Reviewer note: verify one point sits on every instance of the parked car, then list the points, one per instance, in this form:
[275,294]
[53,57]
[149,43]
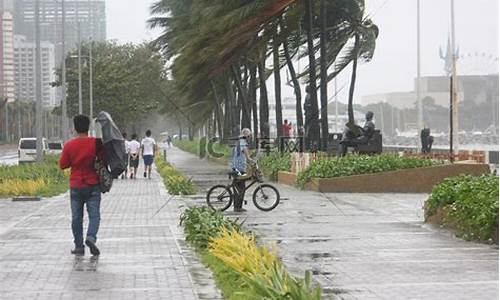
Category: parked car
[27,149]
[55,147]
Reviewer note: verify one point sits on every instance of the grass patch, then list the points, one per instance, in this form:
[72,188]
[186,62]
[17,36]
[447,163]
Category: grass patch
[202,148]
[175,181]
[44,179]
[470,204]
[360,164]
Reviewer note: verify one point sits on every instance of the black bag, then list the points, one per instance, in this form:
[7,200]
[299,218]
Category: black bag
[103,173]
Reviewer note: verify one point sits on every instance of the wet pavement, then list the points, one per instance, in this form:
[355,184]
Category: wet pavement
[143,255]
[363,246]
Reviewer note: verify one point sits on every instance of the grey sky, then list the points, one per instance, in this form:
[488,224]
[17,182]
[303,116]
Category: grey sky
[394,64]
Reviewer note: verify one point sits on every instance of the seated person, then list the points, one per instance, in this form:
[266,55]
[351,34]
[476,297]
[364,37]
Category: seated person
[239,157]
[355,135]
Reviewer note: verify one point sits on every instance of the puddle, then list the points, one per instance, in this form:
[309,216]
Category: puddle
[319,272]
[319,255]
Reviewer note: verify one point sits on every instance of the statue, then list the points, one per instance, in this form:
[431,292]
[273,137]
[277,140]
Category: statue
[355,135]
[311,127]
[426,140]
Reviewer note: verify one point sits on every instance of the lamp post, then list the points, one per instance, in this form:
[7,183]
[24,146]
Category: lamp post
[38,84]
[91,85]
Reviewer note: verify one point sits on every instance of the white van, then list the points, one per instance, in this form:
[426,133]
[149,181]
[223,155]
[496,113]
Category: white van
[27,149]
[55,147]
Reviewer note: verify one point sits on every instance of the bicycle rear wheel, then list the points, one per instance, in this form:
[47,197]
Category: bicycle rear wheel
[219,197]
[266,197]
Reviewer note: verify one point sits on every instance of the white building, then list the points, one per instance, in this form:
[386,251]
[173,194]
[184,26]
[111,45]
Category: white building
[7,84]
[24,58]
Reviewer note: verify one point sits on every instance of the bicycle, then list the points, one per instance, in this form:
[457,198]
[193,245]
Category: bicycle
[265,197]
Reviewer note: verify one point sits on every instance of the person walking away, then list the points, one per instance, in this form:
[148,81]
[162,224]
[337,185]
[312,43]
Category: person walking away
[238,163]
[125,173]
[133,153]
[169,141]
[148,146]
[79,154]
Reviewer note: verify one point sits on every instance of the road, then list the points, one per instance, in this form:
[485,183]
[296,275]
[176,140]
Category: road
[8,157]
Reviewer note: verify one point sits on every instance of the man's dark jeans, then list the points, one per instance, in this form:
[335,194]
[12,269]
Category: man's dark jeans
[91,197]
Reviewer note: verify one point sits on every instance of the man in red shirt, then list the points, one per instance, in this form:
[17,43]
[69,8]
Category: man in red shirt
[79,154]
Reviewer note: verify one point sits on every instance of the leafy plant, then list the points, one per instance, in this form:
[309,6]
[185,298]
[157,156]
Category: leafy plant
[176,182]
[242,269]
[471,205]
[202,223]
[275,162]
[360,164]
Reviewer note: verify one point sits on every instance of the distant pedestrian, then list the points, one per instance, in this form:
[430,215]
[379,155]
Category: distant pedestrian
[125,173]
[169,141]
[287,128]
[148,146]
[133,153]
[79,154]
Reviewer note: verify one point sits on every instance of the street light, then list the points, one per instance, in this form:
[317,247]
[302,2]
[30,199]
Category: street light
[91,87]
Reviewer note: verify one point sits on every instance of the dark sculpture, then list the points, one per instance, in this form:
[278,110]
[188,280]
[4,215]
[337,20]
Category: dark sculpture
[311,127]
[355,135]
[426,140]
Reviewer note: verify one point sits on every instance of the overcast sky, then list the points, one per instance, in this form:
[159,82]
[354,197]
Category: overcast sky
[394,64]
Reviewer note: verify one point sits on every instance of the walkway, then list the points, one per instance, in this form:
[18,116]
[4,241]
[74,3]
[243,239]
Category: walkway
[143,256]
[364,246]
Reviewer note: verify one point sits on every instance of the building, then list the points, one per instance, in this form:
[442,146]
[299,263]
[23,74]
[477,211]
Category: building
[24,63]
[7,84]
[475,89]
[90,14]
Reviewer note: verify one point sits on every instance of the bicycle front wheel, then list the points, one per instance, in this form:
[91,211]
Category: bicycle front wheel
[219,197]
[266,197]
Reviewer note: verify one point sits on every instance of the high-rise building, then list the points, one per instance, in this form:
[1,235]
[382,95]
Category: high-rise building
[24,63]
[89,16]
[7,85]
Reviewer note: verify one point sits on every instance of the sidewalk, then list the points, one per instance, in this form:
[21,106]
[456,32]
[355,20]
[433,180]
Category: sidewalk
[364,246]
[142,257]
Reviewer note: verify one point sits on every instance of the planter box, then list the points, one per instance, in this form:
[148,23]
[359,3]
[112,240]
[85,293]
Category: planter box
[418,180]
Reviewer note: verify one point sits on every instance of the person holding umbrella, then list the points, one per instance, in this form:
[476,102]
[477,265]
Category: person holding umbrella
[79,154]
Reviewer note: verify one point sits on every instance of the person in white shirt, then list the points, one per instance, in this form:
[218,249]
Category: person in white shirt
[148,146]
[133,153]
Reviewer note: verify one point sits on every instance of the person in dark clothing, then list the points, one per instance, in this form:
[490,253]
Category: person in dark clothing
[426,140]
[357,135]
[79,154]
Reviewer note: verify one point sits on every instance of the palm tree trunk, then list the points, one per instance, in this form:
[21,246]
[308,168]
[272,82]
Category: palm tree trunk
[253,99]
[311,126]
[263,101]
[242,97]
[277,89]
[350,110]
[296,87]
[218,112]
[323,75]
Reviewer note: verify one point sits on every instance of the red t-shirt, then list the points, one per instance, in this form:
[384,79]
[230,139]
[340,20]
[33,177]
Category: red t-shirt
[287,128]
[79,155]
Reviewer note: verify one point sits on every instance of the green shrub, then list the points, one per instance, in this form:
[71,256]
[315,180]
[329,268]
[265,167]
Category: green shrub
[275,162]
[360,164]
[471,205]
[176,183]
[202,223]
[33,179]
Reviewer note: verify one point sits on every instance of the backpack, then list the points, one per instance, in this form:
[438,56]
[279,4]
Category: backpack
[237,159]
[103,173]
